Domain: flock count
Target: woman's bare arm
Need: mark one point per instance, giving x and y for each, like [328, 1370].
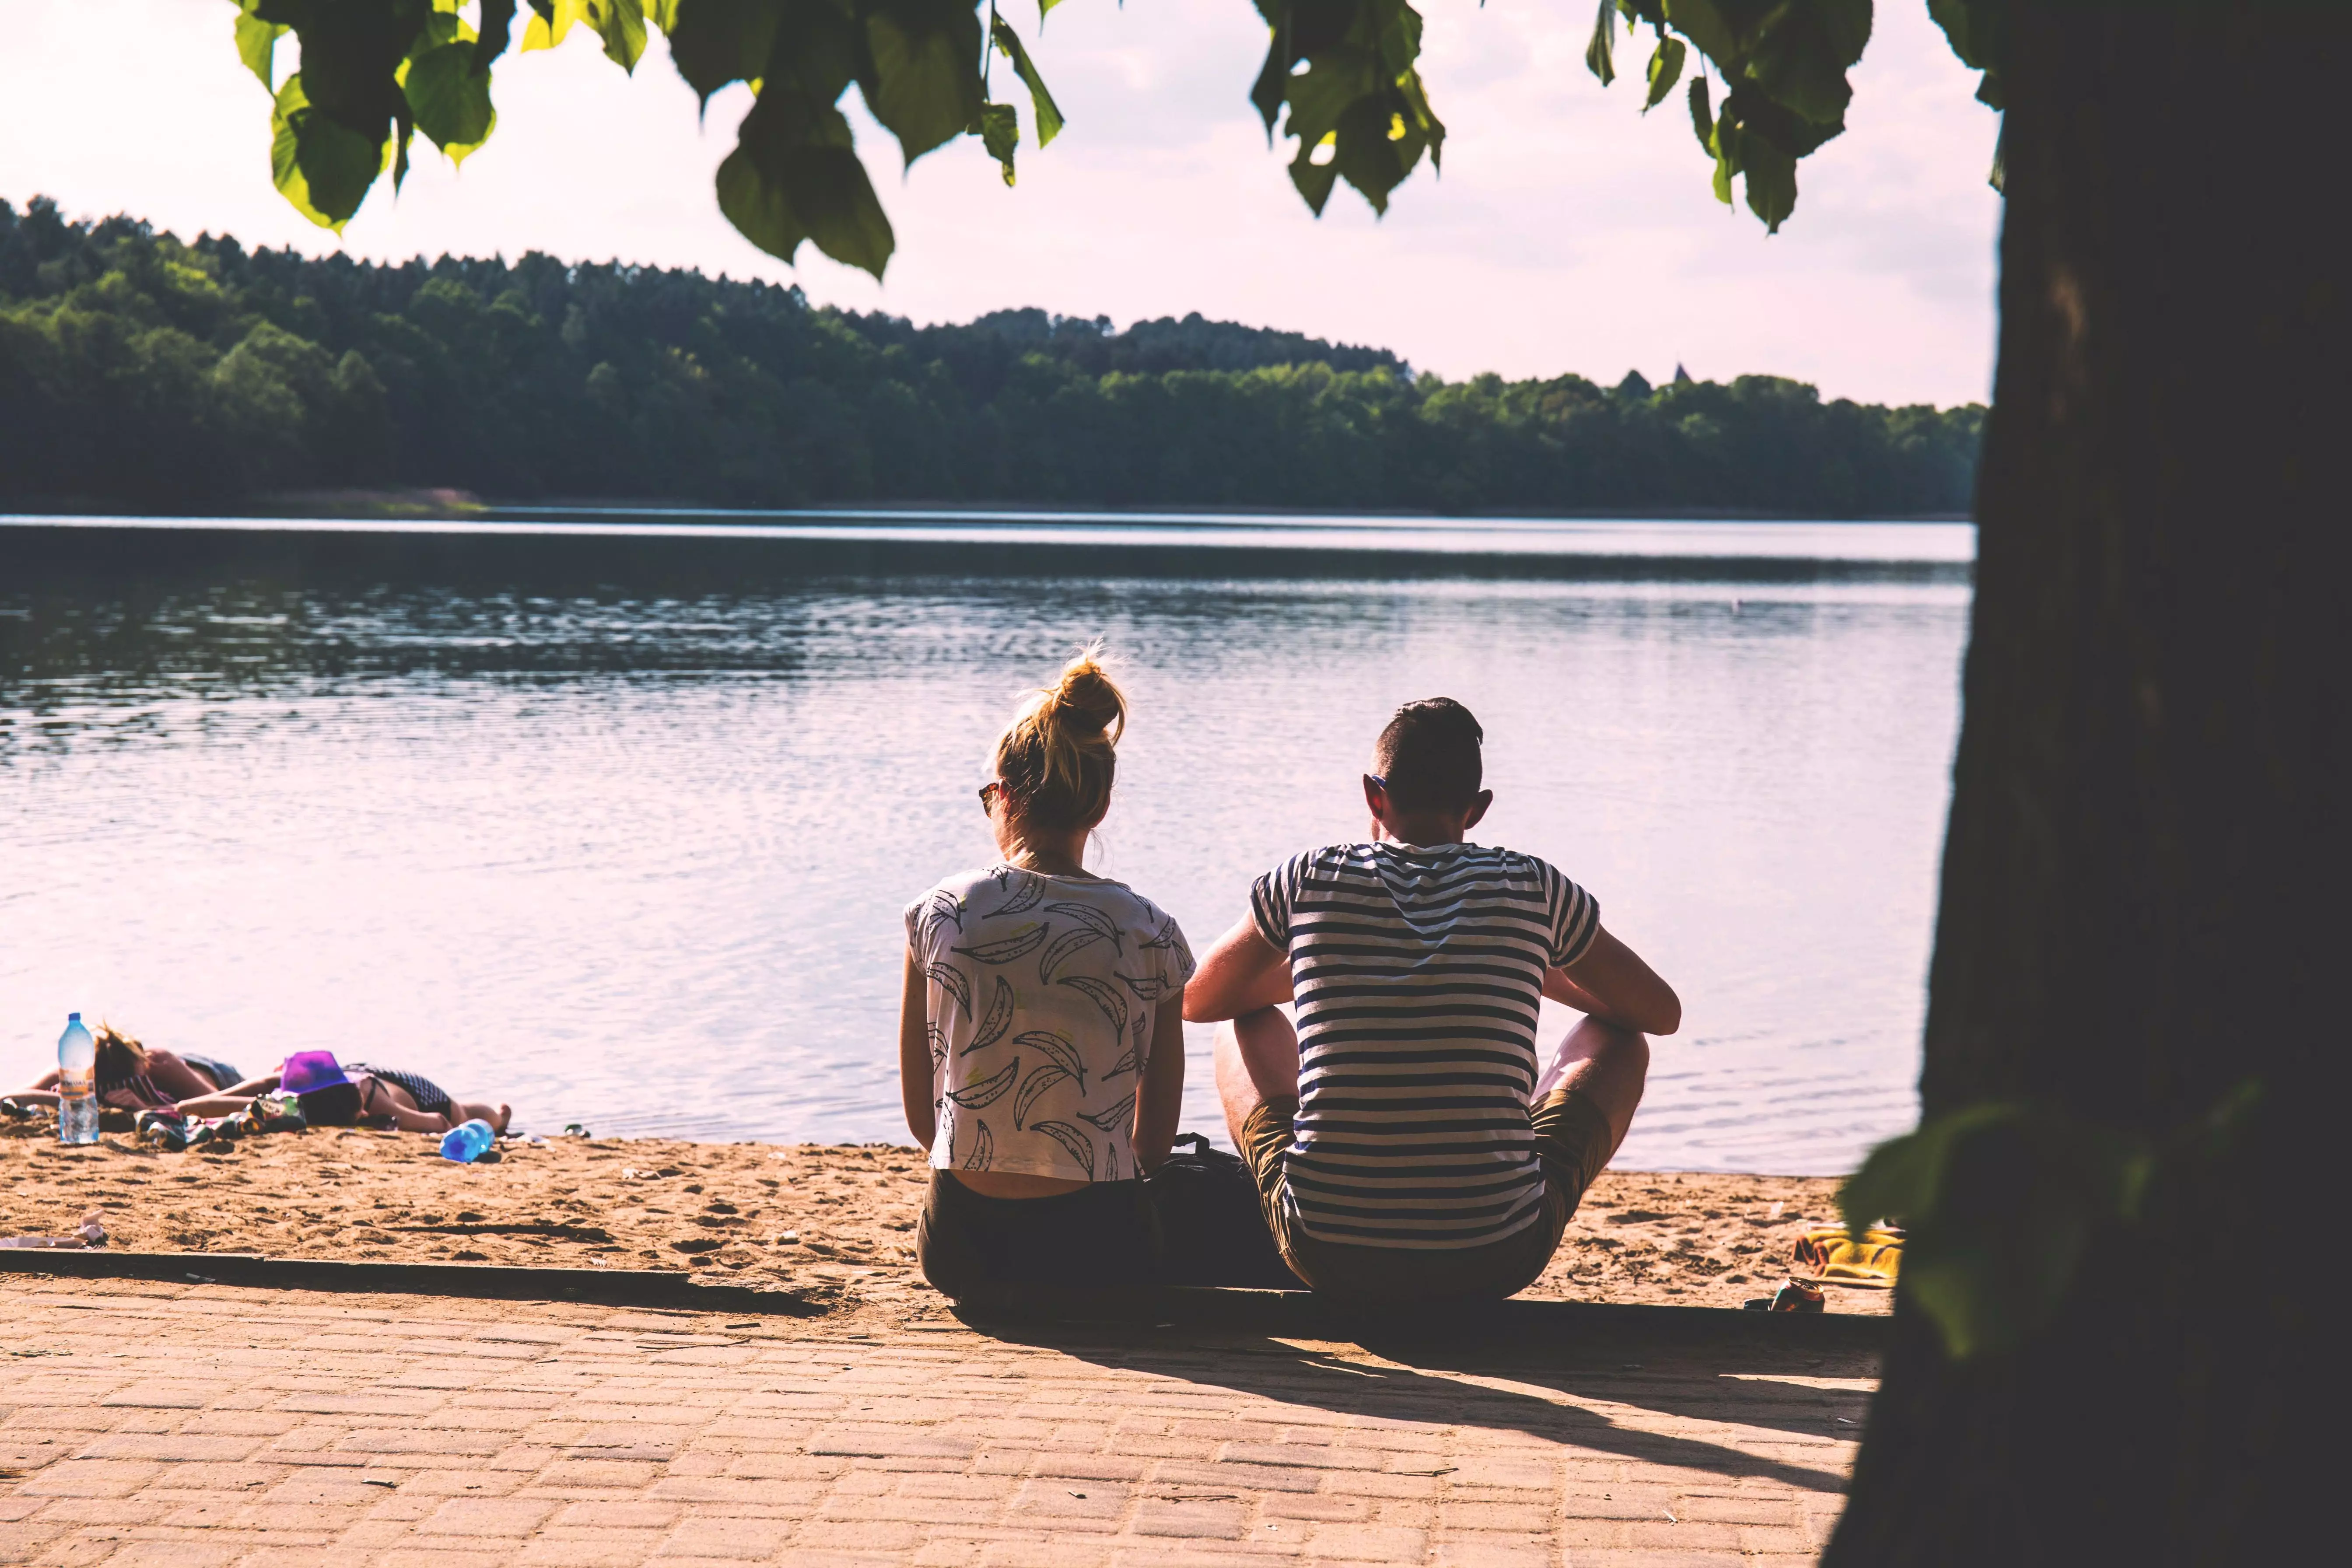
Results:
[1612, 984]
[1160, 1098]
[1242, 972]
[915, 1089]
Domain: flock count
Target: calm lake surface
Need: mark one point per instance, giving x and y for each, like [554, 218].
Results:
[624, 838]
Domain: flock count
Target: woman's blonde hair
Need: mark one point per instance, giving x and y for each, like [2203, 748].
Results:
[1058, 757]
[119, 1057]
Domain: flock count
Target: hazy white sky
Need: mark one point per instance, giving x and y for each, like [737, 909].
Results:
[1568, 233]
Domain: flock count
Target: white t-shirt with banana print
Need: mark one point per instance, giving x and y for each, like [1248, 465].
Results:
[1042, 995]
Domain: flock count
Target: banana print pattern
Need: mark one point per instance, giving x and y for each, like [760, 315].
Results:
[1113, 1005]
[1040, 1080]
[1011, 948]
[950, 979]
[1146, 988]
[1063, 1053]
[1000, 1019]
[988, 1091]
[1081, 1147]
[1026, 895]
[1033, 1050]
[1119, 1115]
[1094, 920]
[1068, 946]
[941, 908]
[1133, 1061]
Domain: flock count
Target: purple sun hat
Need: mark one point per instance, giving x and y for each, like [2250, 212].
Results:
[308, 1071]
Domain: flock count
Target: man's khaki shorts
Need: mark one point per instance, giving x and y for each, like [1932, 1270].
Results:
[1572, 1143]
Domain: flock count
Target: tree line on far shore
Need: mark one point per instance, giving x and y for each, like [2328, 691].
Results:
[140, 371]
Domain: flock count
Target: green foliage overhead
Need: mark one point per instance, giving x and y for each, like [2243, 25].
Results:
[1341, 79]
[136, 369]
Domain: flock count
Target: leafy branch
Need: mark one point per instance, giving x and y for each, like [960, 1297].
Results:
[1341, 79]
[1783, 65]
[2001, 1201]
[374, 73]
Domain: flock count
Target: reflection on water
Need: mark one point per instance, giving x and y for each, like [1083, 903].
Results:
[637, 861]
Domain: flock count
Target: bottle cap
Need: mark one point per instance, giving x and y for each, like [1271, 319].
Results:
[73, 1018]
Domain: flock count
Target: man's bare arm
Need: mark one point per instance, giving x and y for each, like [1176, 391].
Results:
[1610, 983]
[1242, 972]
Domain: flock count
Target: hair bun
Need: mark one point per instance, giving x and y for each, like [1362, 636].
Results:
[1058, 757]
[1087, 699]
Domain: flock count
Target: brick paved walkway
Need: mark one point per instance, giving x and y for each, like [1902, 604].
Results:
[155, 1423]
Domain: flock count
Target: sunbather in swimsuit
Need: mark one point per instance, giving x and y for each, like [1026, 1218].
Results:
[333, 1095]
[132, 1077]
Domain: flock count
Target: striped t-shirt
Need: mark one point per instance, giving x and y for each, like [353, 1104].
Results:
[1418, 974]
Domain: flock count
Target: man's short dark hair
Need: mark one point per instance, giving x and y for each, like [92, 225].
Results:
[1429, 755]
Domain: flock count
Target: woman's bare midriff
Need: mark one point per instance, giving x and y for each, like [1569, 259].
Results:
[1015, 1184]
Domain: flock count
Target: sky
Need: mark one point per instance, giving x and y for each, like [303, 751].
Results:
[1568, 232]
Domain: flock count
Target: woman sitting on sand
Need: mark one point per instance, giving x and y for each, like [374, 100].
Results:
[132, 1077]
[1041, 1040]
[333, 1095]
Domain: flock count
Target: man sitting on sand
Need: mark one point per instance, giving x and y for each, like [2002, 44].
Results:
[1401, 1152]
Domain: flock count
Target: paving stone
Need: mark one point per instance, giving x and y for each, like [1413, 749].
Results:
[373, 1433]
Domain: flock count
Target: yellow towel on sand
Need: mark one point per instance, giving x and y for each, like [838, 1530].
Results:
[1836, 1259]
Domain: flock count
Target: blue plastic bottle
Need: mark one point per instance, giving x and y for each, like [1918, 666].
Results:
[77, 1083]
[465, 1141]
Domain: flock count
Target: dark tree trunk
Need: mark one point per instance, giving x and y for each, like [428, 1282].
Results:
[2144, 889]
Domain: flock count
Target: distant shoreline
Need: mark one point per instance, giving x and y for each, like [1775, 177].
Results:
[355, 505]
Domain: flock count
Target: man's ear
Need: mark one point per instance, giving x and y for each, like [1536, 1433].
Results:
[1477, 808]
[1372, 799]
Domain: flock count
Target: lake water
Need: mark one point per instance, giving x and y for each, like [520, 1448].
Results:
[613, 814]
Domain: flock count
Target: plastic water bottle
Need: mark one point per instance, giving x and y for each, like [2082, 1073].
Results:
[467, 1142]
[77, 1083]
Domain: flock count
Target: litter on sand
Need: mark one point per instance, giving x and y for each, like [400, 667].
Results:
[92, 1232]
[1833, 1258]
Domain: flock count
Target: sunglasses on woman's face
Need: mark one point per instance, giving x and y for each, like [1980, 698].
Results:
[988, 793]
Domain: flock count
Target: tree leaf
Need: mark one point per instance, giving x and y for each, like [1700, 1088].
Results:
[1041, 102]
[925, 81]
[450, 100]
[1665, 69]
[1702, 22]
[1600, 53]
[1797, 55]
[621, 25]
[320, 165]
[714, 42]
[1771, 176]
[1999, 1201]
[1702, 117]
[795, 175]
[257, 45]
[551, 21]
[999, 130]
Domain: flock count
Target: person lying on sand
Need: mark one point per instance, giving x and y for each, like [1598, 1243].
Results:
[333, 1095]
[133, 1077]
[1041, 1040]
[1397, 1151]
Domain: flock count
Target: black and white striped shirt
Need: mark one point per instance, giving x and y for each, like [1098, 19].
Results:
[1418, 973]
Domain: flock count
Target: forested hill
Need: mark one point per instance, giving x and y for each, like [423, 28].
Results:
[138, 370]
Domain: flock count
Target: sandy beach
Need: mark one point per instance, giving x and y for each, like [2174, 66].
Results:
[833, 1224]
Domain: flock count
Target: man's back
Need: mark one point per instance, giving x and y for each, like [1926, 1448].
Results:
[1418, 973]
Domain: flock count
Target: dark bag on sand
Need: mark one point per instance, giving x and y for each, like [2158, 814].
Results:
[1210, 1226]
